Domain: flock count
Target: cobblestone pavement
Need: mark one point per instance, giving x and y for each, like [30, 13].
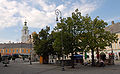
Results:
[36, 68]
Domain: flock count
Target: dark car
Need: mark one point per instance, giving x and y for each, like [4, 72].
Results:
[6, 56]
[5, 59]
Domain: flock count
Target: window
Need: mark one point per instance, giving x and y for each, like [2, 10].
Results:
[27, 51]
[6, 50]
[22, 50]
[13, 51]
[17, 50]
[9, 51]
[25, 31]
[1, 51]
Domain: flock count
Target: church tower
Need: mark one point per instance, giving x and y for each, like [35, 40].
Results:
[25, 33]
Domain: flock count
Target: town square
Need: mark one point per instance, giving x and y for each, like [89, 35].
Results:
[59, 37]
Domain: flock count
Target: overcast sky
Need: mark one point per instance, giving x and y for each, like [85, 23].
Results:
[41, 13]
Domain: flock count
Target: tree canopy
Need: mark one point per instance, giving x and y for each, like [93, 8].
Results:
[43, 43]
[74, 34]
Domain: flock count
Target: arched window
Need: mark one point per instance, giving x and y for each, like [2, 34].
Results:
[17, 50]
[13, 51]
[22, 50]
[6, 50]
[27, 50]
[1, 51]
[9, 51]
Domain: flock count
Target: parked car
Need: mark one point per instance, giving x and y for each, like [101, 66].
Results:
[5, 60]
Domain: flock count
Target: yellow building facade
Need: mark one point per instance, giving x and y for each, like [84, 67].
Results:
[115, 48]
[15, 48]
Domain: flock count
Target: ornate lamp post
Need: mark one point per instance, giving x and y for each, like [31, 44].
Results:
[30, 58]
[30, 49]
[92, 50]
[58, 13]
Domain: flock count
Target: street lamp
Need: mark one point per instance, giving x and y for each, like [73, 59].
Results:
[92, 50]
[58, 13]
[30, 49]
[30, 56]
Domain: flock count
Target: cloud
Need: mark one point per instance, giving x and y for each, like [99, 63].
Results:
[109, 20]
[40, 13]
[8, 41]
[112, 19]
[83, 1]
[84, 6]
[7, 10]
[45, 6]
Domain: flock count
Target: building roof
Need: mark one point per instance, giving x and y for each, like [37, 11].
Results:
[15, 45]
[114, 28]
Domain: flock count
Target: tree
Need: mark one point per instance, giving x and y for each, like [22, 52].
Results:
[83, 33]
[74, 34]
[95, 37]
[43, 44]
[66, 35]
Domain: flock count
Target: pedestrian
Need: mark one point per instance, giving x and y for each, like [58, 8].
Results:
[102, 63]
[23, 58]
[13, 58]
[0, 57]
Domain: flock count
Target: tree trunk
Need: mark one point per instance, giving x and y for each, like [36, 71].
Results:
[45, 60]
[59, 60]
[93, 62]
[72, 60]
[98, 56]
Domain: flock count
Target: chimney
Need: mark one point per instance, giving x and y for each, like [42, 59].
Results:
[112, 22]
